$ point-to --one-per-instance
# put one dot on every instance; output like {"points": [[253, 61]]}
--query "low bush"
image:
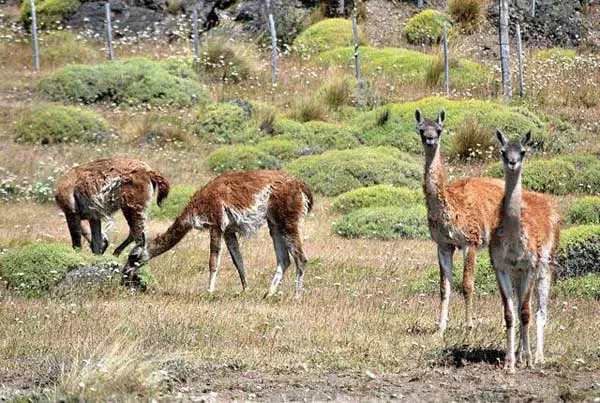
{"points": [[226, 61], [335, 172], [384, 223], [35, 268], [425, 28], [240, 158], [131, 82], [399, 130], [281, 148], [40, 188], [49, 13], [316, 136], [579, 252], [53, 124], [407, 66], [558, 175], [584, 211], [173, 205], [587, 286], [469, 14], [326, 34], [222, 123], [377, 196]]}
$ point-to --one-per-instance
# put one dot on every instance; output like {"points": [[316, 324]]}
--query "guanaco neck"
{"points": [[434, 184], [511, 217], [171, 236]]}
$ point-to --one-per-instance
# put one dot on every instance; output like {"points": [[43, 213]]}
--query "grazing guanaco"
{"points": [[96, 190], [240, 203], [522, 251], [460, 215]]}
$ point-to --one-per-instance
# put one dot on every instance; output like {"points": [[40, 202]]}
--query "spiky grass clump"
{"points": [[53, 124], [425, 28], [469, 14], [309, 109], [223, 60], [335, 172], [471, 141], [160, 129], [377, 196], [337, 94]]}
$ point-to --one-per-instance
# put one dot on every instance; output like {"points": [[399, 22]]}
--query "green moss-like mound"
{"points": [[399, 130], [281, 148], [52, 124], [587, 286], [222, 123], [559, 175], [37, 267], [377, 196], [585, 211], [425, 28], [131, 82], [318, 136], [49, 13], [407, 66], [384, 223], [327, 34], [173, 205], [335, 172], [556, 54], [579, 252], [240, 158]]}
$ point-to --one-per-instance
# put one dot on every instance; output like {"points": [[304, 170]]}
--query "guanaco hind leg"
{"points": [[234, 250]]}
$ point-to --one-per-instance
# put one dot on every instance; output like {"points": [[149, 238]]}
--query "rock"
{"points": [[84, 276], [556, 22]]}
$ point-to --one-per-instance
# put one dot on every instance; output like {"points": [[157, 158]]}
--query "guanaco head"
{"points": [[430, 130], [137, 256], [513, 152]]}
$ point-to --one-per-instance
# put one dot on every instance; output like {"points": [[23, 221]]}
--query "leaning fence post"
{"points": [[195, 37], [533, 8], [355, 35], [273, 46], [341, 8], [420, 4], [109, 32], [34, 38], [520, 56], [446, 66]]}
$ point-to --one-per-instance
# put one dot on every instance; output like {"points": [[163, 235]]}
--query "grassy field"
{"points": [[365, 329]]}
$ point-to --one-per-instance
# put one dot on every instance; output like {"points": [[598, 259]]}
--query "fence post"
{"points": [[505, 49], [520, 56], [355, 35], [273, 46], [195, 37], [533, 8], [420, 4], [34, 38], [342, 8], [446, 64], [109, 32]]}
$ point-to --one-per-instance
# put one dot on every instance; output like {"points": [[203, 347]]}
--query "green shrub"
{"points": [[315, 135], [173, 205], [587, 286], [281, 148], [240, 158], [326, 34], [226, 61], [425, 28], [222, 123], [132, 82], [485, 277], [399, 130], [377, 196], [469, 14], [407, 66], [35, 268], [585, 211], [335, 172], [556, 54], [52, 124], [384, 223], [64, 47], [558, 175], [49, 13], [579, 252]]}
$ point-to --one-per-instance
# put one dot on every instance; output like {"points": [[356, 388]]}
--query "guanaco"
{"points": [[240, 203], [96, 190]]}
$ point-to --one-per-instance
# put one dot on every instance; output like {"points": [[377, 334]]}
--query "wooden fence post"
{"points": [[520, 56], [34, 38], [505, 50], [420, 4], [446, 64], [533, 8], [273, 46], [342, 8], [109, 41], [195, 38], [355, 35]]}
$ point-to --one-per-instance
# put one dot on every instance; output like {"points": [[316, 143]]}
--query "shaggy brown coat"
{"points": [[241, 202], [96, 190]]}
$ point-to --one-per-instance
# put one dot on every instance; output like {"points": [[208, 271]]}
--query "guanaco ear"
{"points": [[525, 138], [419, 117], [441, 117], [501, 137]]}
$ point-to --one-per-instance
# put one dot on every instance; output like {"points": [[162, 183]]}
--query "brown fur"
{"points": [[79, 194], [231, 194]]}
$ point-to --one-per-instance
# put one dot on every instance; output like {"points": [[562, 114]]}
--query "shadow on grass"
{"points": [[459, 356]]}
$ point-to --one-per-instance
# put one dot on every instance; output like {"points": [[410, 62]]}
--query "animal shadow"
{"points": [[459, 356]]}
